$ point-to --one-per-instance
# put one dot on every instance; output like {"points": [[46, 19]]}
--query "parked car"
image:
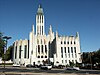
{"points": [[46, 67], [16, 65], [29, 65], [73, 68]]}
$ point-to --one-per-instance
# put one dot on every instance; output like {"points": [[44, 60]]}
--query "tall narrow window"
{"points": [[38, 48], [65, 61], [75, 55], [42, 19], [37, 41], [15, 52], [75, 49], [45, 49], [20, 51], [74, 42], [61, 49], [72, 55], [65, 55], [42, 30], [69, 55], [41, 41], [38, 20], [71, 49], [62, 61], [61, 55], [65, 49], [25, 52], [28, 49], [42, 48], [37, 30], [68, 50]]}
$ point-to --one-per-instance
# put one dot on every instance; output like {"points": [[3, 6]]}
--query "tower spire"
{"points": [[50, 29], [40, 21], [40, 10], [40, 6], [33, 28]]}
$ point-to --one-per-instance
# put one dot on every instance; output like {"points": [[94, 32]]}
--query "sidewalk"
{"points": [[28, 73]]}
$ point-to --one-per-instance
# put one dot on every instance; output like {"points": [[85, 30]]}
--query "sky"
{"points": [[65, 16]]}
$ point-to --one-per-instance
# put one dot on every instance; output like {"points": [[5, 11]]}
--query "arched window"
{"points": [[74, 42], [61, 42], [67, 42], [45, 56], [38, 56], [41, 56], [64, 42], [71, 42]]}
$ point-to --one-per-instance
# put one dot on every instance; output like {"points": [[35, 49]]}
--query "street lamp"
{"points": [[6, 38]]}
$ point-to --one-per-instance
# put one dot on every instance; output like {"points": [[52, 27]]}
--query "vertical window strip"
{"points": [[71, 49], [38, 48], [75, 49], [25, 52], [65, 49], [68, 50], [15, 52], [42, 19], [42, 30], [61, 49], [19, 51], [28, 49], [42, 48], [45, 49]]}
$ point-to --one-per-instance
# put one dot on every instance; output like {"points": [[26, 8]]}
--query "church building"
{"points": [[51, 48]]}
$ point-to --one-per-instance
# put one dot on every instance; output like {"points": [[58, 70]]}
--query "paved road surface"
{"points": [[37, 71]]}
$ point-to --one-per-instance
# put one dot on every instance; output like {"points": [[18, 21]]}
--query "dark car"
{"points": [[29, 65]]}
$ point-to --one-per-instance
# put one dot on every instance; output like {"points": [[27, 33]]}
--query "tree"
{"points": [[71, 64], [2, 44], [8, 54], [85, 57], [92, 58]]}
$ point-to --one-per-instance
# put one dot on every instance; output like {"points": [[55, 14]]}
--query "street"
{"points": [[24, 70]]}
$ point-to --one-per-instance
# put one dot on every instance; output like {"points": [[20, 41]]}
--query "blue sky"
{"points": [[65, 16]]}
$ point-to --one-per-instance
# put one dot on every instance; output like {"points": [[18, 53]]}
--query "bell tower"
{"points": [[40, 21]]}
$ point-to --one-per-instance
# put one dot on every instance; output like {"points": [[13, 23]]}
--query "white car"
{"points": [[16, 65], [76, 68], [46, 67], [73, 68]]}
